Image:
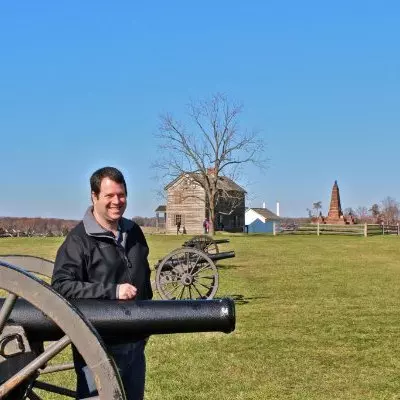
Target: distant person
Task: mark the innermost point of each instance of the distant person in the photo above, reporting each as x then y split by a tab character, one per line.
184	230
178	227
206	225
105	257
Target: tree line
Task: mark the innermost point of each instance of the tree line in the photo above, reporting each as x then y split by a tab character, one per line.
24	226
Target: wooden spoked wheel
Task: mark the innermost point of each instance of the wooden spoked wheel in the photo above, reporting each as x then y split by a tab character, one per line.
19	371
187	273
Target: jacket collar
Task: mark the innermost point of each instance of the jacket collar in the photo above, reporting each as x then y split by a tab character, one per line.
93	228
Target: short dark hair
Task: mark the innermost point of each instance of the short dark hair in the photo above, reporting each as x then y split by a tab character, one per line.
106	172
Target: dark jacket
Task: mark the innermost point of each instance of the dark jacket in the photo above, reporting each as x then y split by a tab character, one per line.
90	263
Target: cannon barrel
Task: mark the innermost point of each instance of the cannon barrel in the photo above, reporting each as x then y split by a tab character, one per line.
220	241
124	321
193	243
221	256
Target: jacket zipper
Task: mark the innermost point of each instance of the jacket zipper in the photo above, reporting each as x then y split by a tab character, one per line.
126	262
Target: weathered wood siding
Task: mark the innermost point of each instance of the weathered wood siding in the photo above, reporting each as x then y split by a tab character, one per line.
185	198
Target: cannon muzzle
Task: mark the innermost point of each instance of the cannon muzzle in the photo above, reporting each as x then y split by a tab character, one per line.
124	321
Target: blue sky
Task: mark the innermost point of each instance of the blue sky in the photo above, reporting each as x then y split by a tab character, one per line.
82	85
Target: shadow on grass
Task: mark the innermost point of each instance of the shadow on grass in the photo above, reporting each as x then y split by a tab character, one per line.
226	266
240	299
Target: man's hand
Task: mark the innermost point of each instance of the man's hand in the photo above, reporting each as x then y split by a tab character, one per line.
126	291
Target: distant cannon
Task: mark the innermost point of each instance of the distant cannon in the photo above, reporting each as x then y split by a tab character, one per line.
191	272
205	243
33	313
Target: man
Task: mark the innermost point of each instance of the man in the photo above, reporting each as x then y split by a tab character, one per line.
105	257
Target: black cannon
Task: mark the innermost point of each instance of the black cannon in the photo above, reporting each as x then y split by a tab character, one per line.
122	321
205	243
33	313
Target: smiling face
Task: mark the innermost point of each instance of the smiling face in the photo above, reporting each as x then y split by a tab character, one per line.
110	204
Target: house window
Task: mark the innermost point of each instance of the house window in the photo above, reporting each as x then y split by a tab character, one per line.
178	219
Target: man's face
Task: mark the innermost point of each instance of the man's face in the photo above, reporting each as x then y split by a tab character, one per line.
111	202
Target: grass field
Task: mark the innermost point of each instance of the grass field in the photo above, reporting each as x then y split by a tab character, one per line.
317	318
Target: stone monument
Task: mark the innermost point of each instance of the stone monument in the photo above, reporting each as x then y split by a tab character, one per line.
335	214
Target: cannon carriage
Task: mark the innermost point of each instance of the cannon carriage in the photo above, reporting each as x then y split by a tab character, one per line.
190	272
33	313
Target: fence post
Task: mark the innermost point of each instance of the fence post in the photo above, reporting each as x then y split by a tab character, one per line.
317	228
365	229
398	229
274	228
383	229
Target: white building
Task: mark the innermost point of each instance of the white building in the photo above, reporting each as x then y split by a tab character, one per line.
260	220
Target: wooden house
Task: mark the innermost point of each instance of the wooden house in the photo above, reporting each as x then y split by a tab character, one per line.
187	206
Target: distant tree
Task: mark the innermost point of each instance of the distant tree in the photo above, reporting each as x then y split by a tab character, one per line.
317	206
145	221
362	213
375	211
349	211
390	210
310	213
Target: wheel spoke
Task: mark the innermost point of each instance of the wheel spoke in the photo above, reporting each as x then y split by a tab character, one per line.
33	396
201	269
181	294
48	387
30	368
197	290
212	277
202	284
6	309
56	368
194	266
168	279
172	291
190	292
187	261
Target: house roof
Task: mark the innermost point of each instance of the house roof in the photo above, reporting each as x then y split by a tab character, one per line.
224	183
161	208
264	212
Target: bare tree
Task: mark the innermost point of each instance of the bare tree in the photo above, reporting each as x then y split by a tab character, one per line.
362	214
375	212
349	212
211	146
390	210
317	206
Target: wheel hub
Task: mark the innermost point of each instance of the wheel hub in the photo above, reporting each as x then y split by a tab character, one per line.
187	279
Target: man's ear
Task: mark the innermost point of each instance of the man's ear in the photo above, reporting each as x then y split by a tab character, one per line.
94	197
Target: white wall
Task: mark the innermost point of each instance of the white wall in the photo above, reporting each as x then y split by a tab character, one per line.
250	216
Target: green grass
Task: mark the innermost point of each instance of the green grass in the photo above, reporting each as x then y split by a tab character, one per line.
317	318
